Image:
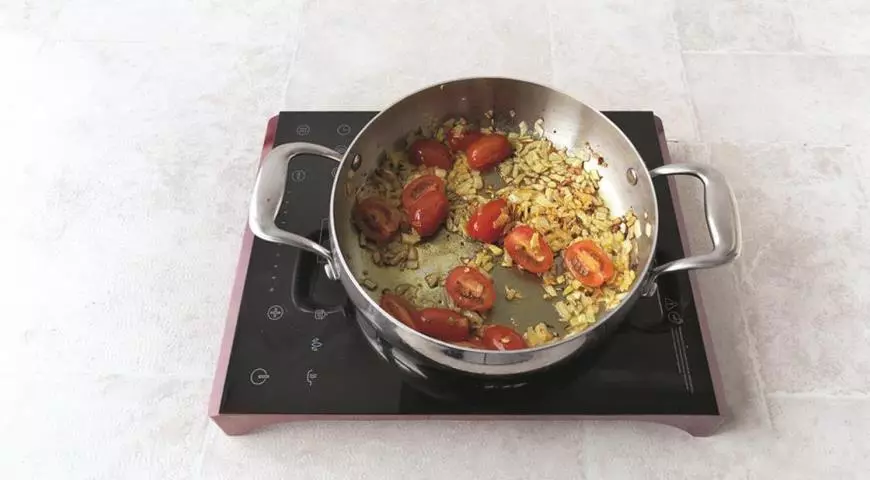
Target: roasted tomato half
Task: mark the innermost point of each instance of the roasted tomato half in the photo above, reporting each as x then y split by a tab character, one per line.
488	222
470	289
430	152
428	213
528	249
377	219
488	151
443	324
416	188
500	337
460	139
588	263
401	309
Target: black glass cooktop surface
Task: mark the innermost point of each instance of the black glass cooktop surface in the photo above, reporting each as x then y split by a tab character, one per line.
298	350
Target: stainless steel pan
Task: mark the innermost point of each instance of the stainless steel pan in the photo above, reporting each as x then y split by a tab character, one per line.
626	184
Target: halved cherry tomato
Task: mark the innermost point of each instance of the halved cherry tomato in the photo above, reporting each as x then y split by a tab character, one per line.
589	263
500	337
443	324
430	152
488	222
470	289
528	249
420	186
473	342
401	309
377	219
428	213
487	151
461	140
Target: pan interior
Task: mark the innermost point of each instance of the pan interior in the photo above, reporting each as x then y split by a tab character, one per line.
484	101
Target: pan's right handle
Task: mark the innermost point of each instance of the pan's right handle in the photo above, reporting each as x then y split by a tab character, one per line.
723	222
269	194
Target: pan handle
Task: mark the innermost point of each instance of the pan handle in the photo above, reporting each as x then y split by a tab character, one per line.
269	194
723	222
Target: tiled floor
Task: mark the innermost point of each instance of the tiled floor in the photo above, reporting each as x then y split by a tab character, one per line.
129	133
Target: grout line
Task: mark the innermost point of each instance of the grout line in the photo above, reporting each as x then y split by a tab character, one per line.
793	23
585	460
775	53
42	40
48	31
690	97
157	42
300	35
819	395
210	432
684	78
754	361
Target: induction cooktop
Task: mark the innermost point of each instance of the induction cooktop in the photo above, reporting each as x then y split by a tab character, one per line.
292	351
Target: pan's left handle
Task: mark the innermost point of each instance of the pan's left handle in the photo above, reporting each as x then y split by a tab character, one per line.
723	222
269	194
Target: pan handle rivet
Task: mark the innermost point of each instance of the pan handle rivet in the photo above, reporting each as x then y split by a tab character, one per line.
356	162
631	175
